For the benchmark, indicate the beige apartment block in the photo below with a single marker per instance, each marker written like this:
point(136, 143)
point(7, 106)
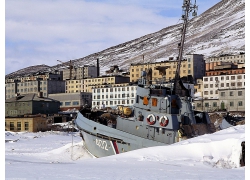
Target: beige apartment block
point(193, 65)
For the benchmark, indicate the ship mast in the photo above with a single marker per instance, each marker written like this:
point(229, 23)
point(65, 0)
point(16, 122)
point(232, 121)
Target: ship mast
point(187, 7)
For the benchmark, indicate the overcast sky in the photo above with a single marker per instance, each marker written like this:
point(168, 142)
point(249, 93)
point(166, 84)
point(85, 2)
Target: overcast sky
point(42, 31)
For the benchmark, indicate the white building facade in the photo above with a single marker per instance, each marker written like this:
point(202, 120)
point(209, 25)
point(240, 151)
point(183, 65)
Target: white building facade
point(113, 96)
point(213, 84)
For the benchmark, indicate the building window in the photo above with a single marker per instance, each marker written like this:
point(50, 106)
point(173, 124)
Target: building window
point(205, 85)
point(222, 94)
point(206, 104)
point(232, 77)
point(211, 85)
point(239, 84)
point(67, 103)
point(231, 93)
point(11, 126)
point(19, 126)
point(26, 126)
point(205, 92)
point(214, 104)
point(75, 103)
point(222, 85)
point(205, 79)
point(211, 92)
point(239, 93)
point(240, 103)
point(231, 104)
point(232, 84)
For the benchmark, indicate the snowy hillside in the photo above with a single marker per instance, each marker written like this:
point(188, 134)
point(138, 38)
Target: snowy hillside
point(219, 30)
point(59, 155)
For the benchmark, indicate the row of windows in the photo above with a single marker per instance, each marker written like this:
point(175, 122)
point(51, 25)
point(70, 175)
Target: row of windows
point(231, 57)
point(26, 84)
point(114, 89)
point(114, 96)
point(223, 78)
point(214, 104)
point(99, 80)
point(18, 104)
point(119, 102)
point(239, 84)
point(74, 103)
point(223, 94)
point(18, 126)
point(15, 112)
point(232, 93)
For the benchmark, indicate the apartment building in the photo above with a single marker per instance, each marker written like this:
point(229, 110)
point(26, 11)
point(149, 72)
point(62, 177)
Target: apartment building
point(102, 81)
point(30, 104)
point(72, 100)
point(193, 65)
point(113, 96)
point(223, 92)
point(57, 75)
point(213, 62)
point(26, 87)
point(74, 86)
point(80, 72)
point(213, 84)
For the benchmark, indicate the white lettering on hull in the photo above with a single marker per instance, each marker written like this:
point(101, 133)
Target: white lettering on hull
point(102, 144)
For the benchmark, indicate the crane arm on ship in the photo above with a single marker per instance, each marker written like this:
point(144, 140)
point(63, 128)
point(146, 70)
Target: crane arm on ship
point(187, 8)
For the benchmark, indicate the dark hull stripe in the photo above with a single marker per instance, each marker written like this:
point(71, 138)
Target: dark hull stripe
point(116, 147)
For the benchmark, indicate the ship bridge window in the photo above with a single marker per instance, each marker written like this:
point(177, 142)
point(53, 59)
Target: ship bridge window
point(145, 100)
point(137, 99)
point(154, 101)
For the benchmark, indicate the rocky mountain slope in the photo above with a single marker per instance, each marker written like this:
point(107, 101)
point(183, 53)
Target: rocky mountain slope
point(219, 30)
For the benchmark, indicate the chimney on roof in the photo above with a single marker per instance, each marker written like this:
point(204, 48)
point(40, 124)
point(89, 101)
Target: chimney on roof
point(98, 68)
point(40, 94)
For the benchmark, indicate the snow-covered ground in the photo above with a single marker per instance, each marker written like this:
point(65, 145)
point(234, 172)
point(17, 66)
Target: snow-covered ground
point(61, 155)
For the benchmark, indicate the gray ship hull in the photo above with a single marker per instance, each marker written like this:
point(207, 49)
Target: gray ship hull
point(103, 140)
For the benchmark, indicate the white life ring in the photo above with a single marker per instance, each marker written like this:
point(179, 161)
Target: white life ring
point(149, 119)
point(163, 121)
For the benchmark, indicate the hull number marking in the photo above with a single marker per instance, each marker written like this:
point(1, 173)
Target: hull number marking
point(102, 144)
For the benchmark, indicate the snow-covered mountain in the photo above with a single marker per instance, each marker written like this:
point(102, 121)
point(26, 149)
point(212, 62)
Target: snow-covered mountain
point(219, 30)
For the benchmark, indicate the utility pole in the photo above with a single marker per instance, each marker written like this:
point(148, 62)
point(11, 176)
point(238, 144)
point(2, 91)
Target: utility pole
point(187, 8)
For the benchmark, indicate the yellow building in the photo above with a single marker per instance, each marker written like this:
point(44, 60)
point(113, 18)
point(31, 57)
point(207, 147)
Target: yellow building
point(74, 86)
point(33, 123)
point(194, 65)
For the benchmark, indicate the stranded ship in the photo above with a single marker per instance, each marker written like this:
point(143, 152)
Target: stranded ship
point(161, 115)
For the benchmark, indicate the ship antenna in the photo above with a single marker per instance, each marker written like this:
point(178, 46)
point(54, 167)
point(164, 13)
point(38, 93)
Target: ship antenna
point(187, 7)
